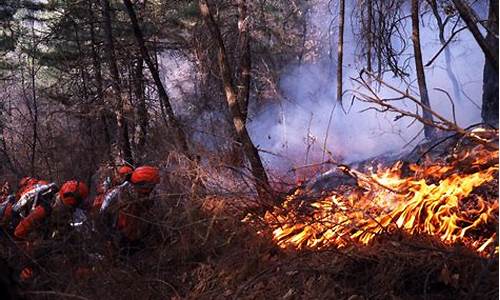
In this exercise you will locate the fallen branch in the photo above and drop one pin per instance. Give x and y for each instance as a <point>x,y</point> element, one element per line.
<point>386,105</point>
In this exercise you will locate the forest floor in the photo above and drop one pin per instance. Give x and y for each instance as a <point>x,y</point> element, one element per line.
<point>215,256</point>
<point>199,248</point>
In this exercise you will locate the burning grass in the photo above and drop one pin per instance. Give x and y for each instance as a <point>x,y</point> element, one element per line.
<point>407,231</point>
<point>440,197</point>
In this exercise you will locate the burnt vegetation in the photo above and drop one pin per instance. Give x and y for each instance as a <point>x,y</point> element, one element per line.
<point>250,199</point>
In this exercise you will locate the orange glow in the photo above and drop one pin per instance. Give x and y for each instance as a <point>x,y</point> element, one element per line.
<point>436,198</point>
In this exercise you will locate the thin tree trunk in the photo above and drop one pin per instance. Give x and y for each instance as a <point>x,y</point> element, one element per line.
<point>370,36</point>
<point>489,110</point>
<point>96,62</point>
<point>466,15</point>
<point>81,65</point>
<point>34,99</point>
<point>244,76</point>
<point>86,123</point>
<point>123,136</point>
<point>245,66</point>
<point>142,112</point>
<point>251,152</point>
<point>340,50</point>
<point>96,59</point>
<point>379,42</point>
<point>447,54</point>
<point>422,85</point>
<point>162,93</point>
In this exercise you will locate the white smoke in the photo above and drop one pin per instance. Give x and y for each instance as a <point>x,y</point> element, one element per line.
<point>295,129</point>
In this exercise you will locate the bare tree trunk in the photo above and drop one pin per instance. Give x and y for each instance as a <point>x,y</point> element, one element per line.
<point>244,76</point>
<point>96,62</point>
<point>489,110</point>
<point>447,54</point>
<point>164,99</point>
<point>245,66</point>
<point>140,104</point>
<point>422,85</point>
<point>251,152</point>
<point>465,13</point>
<point>340,49</point>
<point>142,112</point>
<point>379,43</point>
<point>34,99</point>
<point>123,136</point>
<point>370,36</point>
<point>87,120</point>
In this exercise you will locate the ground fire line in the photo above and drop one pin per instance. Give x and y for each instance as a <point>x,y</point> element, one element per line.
<point>442,197</point>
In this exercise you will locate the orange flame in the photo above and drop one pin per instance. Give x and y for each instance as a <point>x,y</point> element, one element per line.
<point>437,199</point>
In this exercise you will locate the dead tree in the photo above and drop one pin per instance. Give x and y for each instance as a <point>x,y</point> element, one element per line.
<point>162,93</point>
<point>245,64</point>
<point>489,110</point>
<point>109,50</point>
<point>489,46</point>
<point>429,131</point>
<point>239,122</point>
<point>340,49</point>
<point>470,20</point>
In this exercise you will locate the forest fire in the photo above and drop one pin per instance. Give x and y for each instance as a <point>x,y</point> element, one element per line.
<point>446,198</point>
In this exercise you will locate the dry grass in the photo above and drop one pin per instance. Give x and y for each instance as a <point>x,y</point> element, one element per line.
<point>197,248</point>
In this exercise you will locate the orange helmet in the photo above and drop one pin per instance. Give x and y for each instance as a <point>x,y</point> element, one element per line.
<point>73,192</point>
<point>145,178</point>
<point>125,170</point>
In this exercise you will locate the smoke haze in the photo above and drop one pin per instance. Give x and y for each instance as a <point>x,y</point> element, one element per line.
<point>294,129</point>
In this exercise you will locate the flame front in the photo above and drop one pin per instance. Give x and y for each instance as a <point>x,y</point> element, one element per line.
<point>439,198</point>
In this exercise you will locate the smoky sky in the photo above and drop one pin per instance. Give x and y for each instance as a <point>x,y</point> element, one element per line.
<point>294,128</point>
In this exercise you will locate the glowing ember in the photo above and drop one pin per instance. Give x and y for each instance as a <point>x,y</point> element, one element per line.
<point>435,199</point>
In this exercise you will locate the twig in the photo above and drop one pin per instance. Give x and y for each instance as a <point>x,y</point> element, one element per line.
<point>167,284</point>
<point>441,123</point>
<point>452,104</point>
<point>444,46</point>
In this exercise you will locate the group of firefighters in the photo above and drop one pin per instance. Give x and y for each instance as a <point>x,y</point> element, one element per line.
<point>31,213</point>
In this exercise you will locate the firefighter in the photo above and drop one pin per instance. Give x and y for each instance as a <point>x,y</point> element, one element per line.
<point>143,179</point>
<point>110,186</point>
<point>68,225</point>
<point>70,204</point>
<point>29,213</point>
<point>127,202</point>
<point>104,214</point>
<point>33,207</point>
<point>24,185</point>
<point>27,188</point>
<point>50,206</point>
